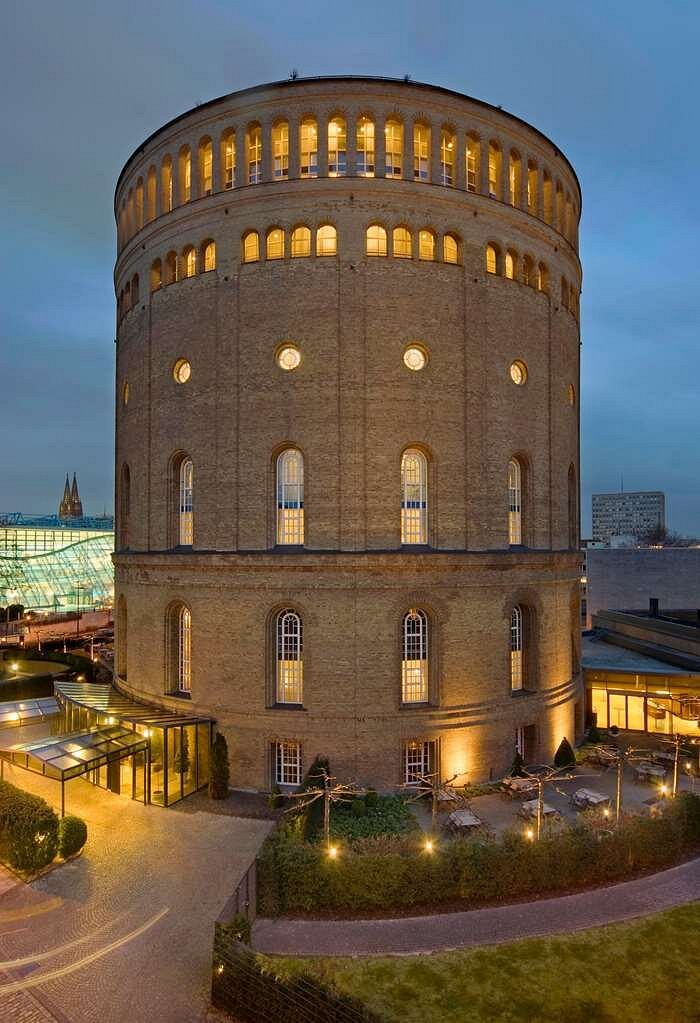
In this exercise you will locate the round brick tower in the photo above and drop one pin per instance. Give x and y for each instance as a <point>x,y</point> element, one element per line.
<point>347,439</point>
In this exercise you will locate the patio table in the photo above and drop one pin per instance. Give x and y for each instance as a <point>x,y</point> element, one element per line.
<point>517,788</point>
<point>646,771</point>
<point>584,798</point>
<point>529,810</point>
<point>464,820</point>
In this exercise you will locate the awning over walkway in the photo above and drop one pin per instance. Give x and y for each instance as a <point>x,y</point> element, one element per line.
<point>105,699</point>
<point>67,756</point>
<point>27,712</point>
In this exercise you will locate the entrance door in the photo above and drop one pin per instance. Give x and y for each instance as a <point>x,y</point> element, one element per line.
<point>113,776</point>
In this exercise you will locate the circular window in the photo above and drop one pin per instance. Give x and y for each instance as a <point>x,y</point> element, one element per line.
<point>182,371</point>
<point>518,372</point>
<point>288,357</point>
<point>571,393</point>
<point>125,392</point>
<point>415,357</point>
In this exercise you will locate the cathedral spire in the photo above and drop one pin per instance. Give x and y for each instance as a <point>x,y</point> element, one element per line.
<point>76,505</point>
<point>64,509</point>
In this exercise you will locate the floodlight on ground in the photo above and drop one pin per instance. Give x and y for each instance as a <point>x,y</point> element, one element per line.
<point>530,834</point>
<point>332,851</point>
<point>429,845</point>
<point>14,666</point>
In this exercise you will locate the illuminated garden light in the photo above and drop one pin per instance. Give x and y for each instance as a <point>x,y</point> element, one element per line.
<point>332,851</point>
<point>429,845</point>
<point>530,834</point>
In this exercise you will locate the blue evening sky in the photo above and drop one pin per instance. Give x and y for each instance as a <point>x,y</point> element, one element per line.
<point>614,84</point>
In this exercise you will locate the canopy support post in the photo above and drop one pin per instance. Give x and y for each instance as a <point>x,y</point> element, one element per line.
<point>63,798</point>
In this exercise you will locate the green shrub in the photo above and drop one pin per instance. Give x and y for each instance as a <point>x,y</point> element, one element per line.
<point>358,808</point>
<point>72,835</point>
<point>219,771</point>
<point>371,798</point>
<point>516,770</point>
<point>312,818</point>
<point>388,815</point>
<point>28,829</point>
<point>565,756</point>
<point>275,800</point>
<point>594,735</point>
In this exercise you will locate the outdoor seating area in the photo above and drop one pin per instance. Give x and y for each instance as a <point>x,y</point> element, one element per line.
<point>463,821</point>
<point>528,810</point>
<point>589,799</point>
<point>647,771</point>
<point>519,788</point>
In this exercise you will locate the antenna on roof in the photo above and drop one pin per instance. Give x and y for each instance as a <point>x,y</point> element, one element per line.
<point>407,78</point>
<point>294,74</point>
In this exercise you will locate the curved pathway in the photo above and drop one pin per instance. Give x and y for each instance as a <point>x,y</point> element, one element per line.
<point>489,926</point>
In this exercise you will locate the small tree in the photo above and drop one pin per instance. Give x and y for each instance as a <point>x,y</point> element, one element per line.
<point>565,756</point>
<point>182,757</point>
<point>516,770</point>
<point>219,771</point>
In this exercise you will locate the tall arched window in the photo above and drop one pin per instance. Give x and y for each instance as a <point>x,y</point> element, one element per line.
<point>414,497</point>
<point>515,502</point>
<point>130,213</point>
<point>189,261</point>
<point>532,188</point>
<point>326,240</point>
<point>280,151</point>
<point>166,184</point>
<point>308,148</point>
<point>184,172</point>
<point>185,504</point>
<point>473,155</point>
<point>393,146</point>
<point>402,243</point>
<point>560,224</point>
<point>171,267</point>
<point>337,148</point>
<point>254,154</point>
<point>375,243</point>
<point>121,637</point>
<point>290,497</point>
<point>421,152</point>
<point>208,256</point>
<point>139,204</point>
<point>572,509</point>
<point>301,242</point>
<point>151,194</point>
<point>274,243</point>
<point>426,244</point>
<point>228,158</point>
<point>511,265</point>
<point>124,506</point>
<point>447,157</point>
<point>514,178</point>
<point>450,249</point>
<point>494,170</point>
<point>547,197</point>
<point>289,686</point>
<point>127,296</point>
<point>206,166</point>
<point>564,291</point>
<point>251,247</point>
<point>414,659</point>
<point>180,639</point>
<point>516,648</point>
<point>528,271</point>
<point>365,147</point>
<point>491,259</point>
<point>542,277</point>
<point>135,290</point>
<point>156,275</point>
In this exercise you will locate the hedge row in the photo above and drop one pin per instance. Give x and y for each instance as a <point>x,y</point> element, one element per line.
<point>295,876</point>
<point>31,833</point>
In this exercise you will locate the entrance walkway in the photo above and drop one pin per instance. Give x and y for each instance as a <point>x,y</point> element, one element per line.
<point>490,926</point>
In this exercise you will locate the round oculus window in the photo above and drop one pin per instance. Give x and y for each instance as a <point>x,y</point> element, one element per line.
<point>415,358</point>
<point>182,371</point>
<point>518,372</point>
<point>288,357</point>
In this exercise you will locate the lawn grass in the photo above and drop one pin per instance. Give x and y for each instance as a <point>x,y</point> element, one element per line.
<point>637,972</point>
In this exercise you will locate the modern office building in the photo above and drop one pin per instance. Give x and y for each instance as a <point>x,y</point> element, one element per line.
<point>627,515</point>
<point>627,577</point>
<point>347,431</point>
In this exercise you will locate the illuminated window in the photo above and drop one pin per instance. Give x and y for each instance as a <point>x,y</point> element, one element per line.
<point>254,154</point>
<point>419,760</point>
<point>450,249</point>
<point>166,184</point>
<point>414,660</point>
<point>473,153</point>
<point>542,277</point>
<point>528,271</point>
<point>326,241</point>
<point>184,673</point>
<point>189,261</point>
<point>518,372</point>
<point>402,243</point>
<point>414,497</point>
<point>182,371</point>
<point>571,394</point>
<point>337,147</point>
<point>560,208</point>
<point>206,166</point>
<point>491,259</point>
<point>280,151</point>
<point>532,188</point>
<point>511,265</point>
<point>124,501</point>
<point>185,174</point>
<point>421,152</point>
<point>288,357</point>
<point>290,497</point>
<point>274,244</point>
<point>514,178</point>
<point>130,214</point>
<point>151,194</point>
<point>365,147</point>
<point>393,143</point>
<point>516,649</point>
<point>308,148</point>
<point>494,171</point>
<point>290,664</point>
<point>209,256</point>
<point>301,242</point>
<point>251,247</point>
<point>547,197</point>
<point>135,290</point>
<point>415,357</point>
<point>447,157</point>
<point>286,759</point>
<point>139,204</point>
<point>515,503</point>
<point>228,159</point>
<point>125,393</point>
<point>185,522</point>
<point>426,245</point>
<point>375,244</point>
<point>172,268</point>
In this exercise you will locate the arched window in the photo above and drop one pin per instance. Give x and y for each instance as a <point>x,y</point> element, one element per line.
<point>301,242</point>
<point>414,497</point>
<point>515,502</point>
<point>542,277</point>
<point>171,267</point>
<point>511,265</point>
<point>290,497</point>
<point>337,148</point>
<point>185,520</point>
<point>127,296</point>
<point>402,243</point>
<point>528,271</point>
<point>289,687</point>
<point>184,649</point>
<point>151,194</point>
<point>564,289</point>
<point>375,242</point>
<point>156,275</point>
<point>414,659</point>
<point>124,506</point>
<point>139,204</point>
<point>421,152</point>
<point>130,214</point>
<point>326,240</point>
<point>280,151</point>
<point>450,249</point>
<point>254,154</point>
<point>393,144</point>
<point>228,158</point>
<point>560,225</point>
<point>473,156</point>
<point>251,247</point>
<point>274,243</point>
<point>365,147</point>
<point>514,178</point>
<point>426,244</point>
<point>547,196</point>
<point>189,261</point>
<point>516,648</point>
<point>308,148</point>
<point>184,171</point>
<point>572,509</point>
<point>135,290</point>
<point>494,170</point>
<point>166,184</point>
<point>206,166</point>
<point>208,255</point>
<point>491,259</point>
<point>532,188</point>
<point>447,157</point>
<point>121,637</point>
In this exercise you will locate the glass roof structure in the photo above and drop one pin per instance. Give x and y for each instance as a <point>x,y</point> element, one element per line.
<point>66,756</point>
<point>27,712</point>
<point>105,699</point>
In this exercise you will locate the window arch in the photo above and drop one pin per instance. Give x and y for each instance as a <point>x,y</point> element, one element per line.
<point>308,148</point>
<point>511,265</point>
<point>184,531</point>
<point>393,148</point>
<point>326,240</point>
<point>515,502</point>
<point>135,290</point>
<point>426,244</point>
<point>447,156</point>
<point>289,663</point>
<point>171,267</point>
<point>124,506</point>
<point>528,271</point>
<point>274,243</point>
<point>547,196</point>
<point>151,194</point>
<point>375,240</point>
<point>208,255</point>
<point>414,657</point>
<point>564,290</point>
<point>121,637</point>
<point>473,158</point>
<point>337,148</point>
<point>494,170</point>
<point>542,277</point>
<point>166,184</point>
<point>532,187</point>
<point>290,497</point>
<point>139,204</point>
<point>421,152</point>
<point>189,261</point>
<point>228,158</point>
<point>517,645</point>
<point>254,154</point>
<point>184,171</point>
<point>280,150</point>
<point>450,249</point>
<point>364,160</point>
<point>572,508</point>
<point>130,213</point>
<point>127,296</point>
<point>492,259</point>
<point>560,225</point>
<point>402,243</point>
<point>301,242</point>
<point>178,637</point>
<point>414,497</point>
<point>514,178</point>
<point>251,247</point>
<point>156,275</point>
<point>206,166</point>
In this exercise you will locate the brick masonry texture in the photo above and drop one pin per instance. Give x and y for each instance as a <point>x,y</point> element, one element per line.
<point>352,407</point>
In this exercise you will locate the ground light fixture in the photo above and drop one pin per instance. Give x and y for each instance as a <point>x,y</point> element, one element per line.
<point>14,666</point>
<point>332,851</point>
<point>530,834</point>
<point>429,845</point>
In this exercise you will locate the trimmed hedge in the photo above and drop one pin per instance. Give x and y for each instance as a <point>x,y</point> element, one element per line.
<point>28,829</point>
<point>72,835</point>
<point>391,873</point>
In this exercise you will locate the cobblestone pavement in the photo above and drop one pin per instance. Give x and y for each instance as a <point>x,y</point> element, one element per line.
<point>123,933</point>
<point>414,935</point>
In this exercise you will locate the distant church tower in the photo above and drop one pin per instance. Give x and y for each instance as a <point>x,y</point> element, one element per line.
<point>71,507</point>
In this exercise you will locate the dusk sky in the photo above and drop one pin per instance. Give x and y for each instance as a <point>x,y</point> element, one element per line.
<point>615,85</point>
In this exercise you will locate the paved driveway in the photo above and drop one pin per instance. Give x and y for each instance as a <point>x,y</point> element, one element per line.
<point>124,932</point>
